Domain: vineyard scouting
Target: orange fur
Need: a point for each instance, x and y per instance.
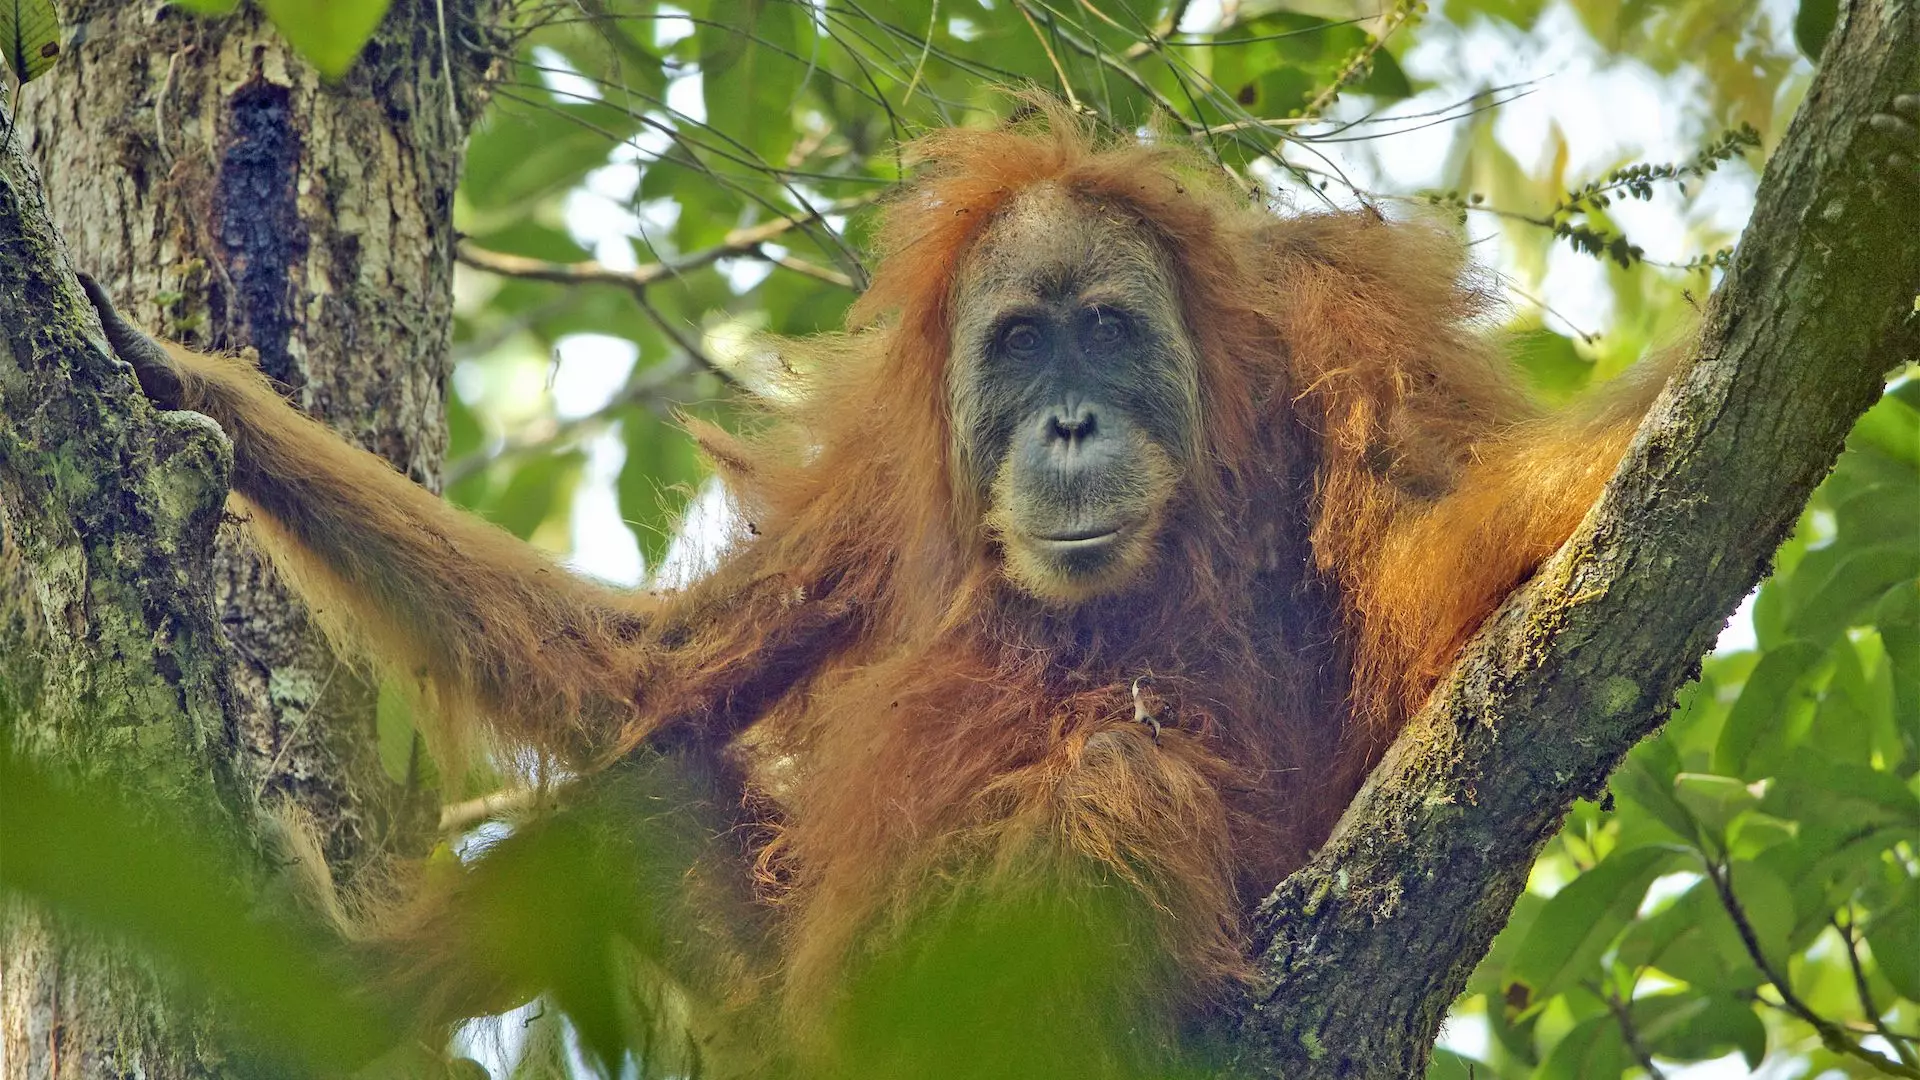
(1373, 482)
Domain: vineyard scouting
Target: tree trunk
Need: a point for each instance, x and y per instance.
(228, 197)
(1365, 948)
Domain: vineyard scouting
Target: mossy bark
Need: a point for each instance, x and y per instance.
(1364, 949)
(229, 197)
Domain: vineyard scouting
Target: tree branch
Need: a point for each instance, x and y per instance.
(651, 388)
(740, 242)
(1832, 1036)
(1864, 991)
(1622, 1008)
(1362, 950)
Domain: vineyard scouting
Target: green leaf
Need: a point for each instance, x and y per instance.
(29, 36)
(1384, 79)
(537, 488)
(1852, 706)
(1811, 25)
(525, 155)
(1898, 618)
(1694, 1027)
(1703, 708)
(395, 733)
(1894, 936)
(1891, 427)
(1447, 1065)
(1278, 91)
(1691, 940)
(1846, 595)
(114, 862)
(1714, 800)
(662, 468)
(1274, 64)
(1768, 904)
(1556, 369)
(1645, 780)
(1819, 790)
(1880, 513)
(329, 33)
(709, 208)
(1754, 832)
(1751, 734)
(1582, 919)
(1594, 1048)
(1827, 868)
(747, 52)
(463, 429)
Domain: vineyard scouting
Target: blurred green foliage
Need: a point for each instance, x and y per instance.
(105, 860)
(1748, 888)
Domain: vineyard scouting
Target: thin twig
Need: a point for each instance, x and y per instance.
(739, 242)
(1167, 28)
(1832, 1035)
(1398, 17)
(805, 268)
(511, 802)
(648, 389)
(919, 68)
(294, 731)
(1623, 1013)
(1855, 1026)
(1864, 991)
(1066, 85)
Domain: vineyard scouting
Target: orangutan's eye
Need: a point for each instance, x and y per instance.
(1022, 339)
(1106, 327)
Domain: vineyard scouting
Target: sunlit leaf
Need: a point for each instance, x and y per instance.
(1646, 778)
(1818, 789)
(1583, 918)
(1693, 940)
(29, 37)
(1846, 595)
(327, 32)
(402, 755)
(1713, 800)
(1555, 368)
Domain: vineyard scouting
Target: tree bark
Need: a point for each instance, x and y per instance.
(229, 197)
(1364, 949)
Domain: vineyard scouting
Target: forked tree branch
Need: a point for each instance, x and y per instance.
(1363, 950)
